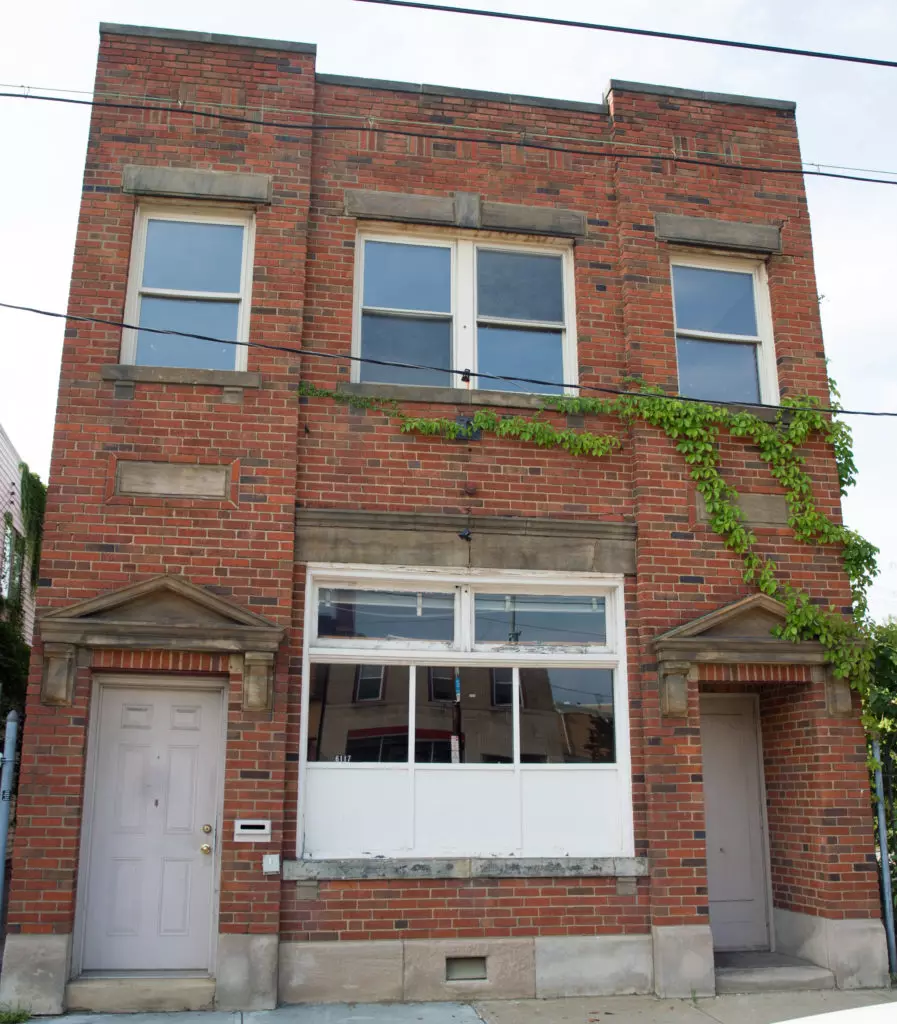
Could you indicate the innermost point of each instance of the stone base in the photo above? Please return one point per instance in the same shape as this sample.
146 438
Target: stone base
683 961
35 970
340 972
247 972
594 965
140 995
854 950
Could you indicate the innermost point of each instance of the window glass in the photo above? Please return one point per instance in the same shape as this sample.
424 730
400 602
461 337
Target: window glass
442 684
471 730
193 257
514 352
12 560
567 716
406 340
386 615
502 687
519 286
369 682
399 276
342 727
718 301
531 619
193 316
721 371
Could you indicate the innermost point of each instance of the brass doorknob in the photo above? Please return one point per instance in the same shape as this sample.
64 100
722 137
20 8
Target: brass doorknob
205 848
207 829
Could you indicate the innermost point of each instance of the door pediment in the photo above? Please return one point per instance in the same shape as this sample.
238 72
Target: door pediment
741 632
166 612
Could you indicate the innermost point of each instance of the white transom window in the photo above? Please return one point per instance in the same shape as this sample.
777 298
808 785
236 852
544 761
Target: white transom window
464 714
462 302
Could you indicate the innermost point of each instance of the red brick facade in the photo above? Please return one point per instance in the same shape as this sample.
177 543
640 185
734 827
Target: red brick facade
313 454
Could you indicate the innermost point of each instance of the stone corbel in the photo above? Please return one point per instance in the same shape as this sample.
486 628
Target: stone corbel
258 681
674 678
58 681
838 698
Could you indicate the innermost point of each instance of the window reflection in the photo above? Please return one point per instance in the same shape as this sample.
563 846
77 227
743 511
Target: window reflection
358 713
386 615
567 716
472 730
531 619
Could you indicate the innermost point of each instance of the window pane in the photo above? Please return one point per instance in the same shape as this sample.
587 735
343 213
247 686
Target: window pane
215 319
386 615
520 286
441 684
528 619
567 716
342 728
471 730
406 340
193 257
506 352
722 371
369 682
398 276
714 300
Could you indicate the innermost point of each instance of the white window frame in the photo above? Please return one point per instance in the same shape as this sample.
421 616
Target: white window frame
464 653
764 340
150 211
463 316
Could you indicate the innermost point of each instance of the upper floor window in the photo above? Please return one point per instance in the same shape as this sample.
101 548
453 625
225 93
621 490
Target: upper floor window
12 562
724 342
190 272
454 304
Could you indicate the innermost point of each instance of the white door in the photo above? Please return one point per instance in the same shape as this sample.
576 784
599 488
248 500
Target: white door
736 840
151 864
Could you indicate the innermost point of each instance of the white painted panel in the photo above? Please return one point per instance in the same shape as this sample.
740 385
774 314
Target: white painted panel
573 812
148 887
357 811
461 811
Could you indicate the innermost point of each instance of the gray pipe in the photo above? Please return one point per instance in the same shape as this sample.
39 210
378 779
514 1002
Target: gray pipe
8 761
885 858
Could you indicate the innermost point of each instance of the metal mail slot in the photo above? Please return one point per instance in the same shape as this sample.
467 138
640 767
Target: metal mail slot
252 830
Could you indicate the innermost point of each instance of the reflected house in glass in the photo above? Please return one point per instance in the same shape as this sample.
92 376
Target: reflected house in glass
336 707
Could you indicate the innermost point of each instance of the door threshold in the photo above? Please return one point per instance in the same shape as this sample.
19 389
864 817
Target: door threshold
139 974
140 992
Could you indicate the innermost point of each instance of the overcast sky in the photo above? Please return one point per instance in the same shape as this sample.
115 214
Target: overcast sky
846 116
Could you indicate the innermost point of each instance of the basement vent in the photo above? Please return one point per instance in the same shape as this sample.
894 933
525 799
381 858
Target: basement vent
465 968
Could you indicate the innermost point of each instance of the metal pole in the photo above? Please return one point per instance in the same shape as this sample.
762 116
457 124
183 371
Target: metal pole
8 761
883 850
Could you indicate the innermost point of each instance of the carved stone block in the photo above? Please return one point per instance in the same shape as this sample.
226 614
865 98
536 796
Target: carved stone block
258 681
674 688
58 683
838 698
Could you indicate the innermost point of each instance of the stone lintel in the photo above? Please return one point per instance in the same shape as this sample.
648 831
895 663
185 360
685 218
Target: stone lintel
188 183
709 232
760 510
464 209
181 375
740 651
466 867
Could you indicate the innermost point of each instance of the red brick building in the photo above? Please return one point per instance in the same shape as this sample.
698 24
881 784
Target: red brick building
325 710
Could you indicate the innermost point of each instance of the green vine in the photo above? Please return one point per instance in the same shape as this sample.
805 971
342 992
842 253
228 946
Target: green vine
34 504
695 428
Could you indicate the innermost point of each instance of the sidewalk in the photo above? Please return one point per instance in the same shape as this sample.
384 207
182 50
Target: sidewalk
765 1008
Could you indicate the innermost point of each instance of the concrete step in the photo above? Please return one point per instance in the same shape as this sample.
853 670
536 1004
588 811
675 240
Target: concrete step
768 972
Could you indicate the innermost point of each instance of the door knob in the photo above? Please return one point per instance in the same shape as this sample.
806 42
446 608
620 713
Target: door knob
205 848
207 829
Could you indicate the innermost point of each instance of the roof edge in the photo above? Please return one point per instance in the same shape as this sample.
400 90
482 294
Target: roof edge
181 35
616 85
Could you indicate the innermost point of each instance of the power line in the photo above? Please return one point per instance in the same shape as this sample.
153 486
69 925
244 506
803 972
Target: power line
464 374
438 137
650 33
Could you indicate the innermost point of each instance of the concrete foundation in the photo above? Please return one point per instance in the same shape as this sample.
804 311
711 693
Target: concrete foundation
340 972
854 950
247 972
35 970
594 965
140 995
683 961
509 968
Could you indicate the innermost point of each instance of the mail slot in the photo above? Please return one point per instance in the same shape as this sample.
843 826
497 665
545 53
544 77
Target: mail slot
252 830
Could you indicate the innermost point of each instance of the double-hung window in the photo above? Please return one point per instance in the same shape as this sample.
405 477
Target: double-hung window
455 714
440 305
12 562
190 273
724 342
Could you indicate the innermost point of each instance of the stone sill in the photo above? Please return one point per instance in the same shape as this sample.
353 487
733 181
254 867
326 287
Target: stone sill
181 375
465 867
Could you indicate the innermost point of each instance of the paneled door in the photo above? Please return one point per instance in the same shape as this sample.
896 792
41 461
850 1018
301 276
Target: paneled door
736 839
151 863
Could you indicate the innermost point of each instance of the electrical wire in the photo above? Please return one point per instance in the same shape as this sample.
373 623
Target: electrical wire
465 374
615 154
650 33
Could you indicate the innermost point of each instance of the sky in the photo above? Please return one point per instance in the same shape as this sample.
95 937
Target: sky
845 113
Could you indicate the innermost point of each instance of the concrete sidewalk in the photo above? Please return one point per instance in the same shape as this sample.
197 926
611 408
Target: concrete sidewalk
761 1008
